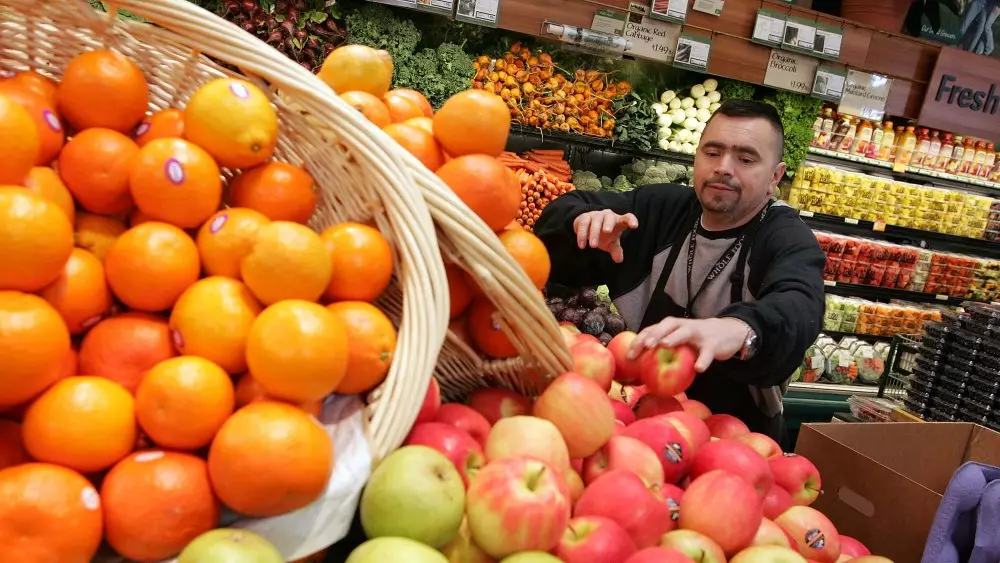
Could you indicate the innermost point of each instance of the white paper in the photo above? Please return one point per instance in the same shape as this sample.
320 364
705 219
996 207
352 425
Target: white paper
799 35
768 29
828 43
829 84
713 7
478 11
692 52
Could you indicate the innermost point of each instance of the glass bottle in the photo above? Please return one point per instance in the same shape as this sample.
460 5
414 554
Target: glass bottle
947 147
968 156
848 141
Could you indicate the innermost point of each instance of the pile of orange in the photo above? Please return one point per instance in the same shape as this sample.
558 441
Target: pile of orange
460 143
166 334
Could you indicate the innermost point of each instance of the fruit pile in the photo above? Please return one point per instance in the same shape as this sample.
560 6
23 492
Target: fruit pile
610 464
544 175
163 354
589 311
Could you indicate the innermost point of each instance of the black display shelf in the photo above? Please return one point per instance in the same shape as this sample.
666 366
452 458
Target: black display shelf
838 335
885 294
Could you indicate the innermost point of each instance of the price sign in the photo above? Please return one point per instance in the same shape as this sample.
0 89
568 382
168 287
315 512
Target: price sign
790 71
651 39
800 34
865 95
669 10
481 12
829 83
769 27
609 21
692 52
713 7
828 41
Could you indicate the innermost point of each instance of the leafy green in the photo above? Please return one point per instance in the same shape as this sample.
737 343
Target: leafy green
736 90
377 26
797 112
635 122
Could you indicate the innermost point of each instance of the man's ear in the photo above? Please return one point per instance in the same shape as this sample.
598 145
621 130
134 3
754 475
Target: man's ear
779 173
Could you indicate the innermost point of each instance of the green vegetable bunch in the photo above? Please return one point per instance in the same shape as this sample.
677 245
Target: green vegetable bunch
642 172
635 121
797 112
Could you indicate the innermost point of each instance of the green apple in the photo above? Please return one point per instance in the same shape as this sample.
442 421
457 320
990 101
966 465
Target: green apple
417 493
381 550
531 557
462 549
226 545
767 554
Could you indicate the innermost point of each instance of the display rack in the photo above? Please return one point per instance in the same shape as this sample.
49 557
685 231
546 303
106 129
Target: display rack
885 294
837 335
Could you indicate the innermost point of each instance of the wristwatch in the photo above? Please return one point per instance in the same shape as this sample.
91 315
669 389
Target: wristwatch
750 344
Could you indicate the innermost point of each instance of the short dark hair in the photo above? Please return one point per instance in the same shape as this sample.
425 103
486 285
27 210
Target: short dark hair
759 110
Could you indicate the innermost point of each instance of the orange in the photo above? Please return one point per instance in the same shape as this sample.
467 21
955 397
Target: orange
357 67
177 182
182 402
46 182
48 513
123 348
212 319
287 261
298 351
417 142
137 217
530 253
362 262
402 108
270 458
162 124
473 122
280 191
415 97
226 238
95 165
155 503
151 265
425 123
51 134
370 106
483 323
86 423
97 233
459 292
485 185
103 89
11 445
35 240
32 81
80 293
249 391
67 368
233 120
371 341
20 143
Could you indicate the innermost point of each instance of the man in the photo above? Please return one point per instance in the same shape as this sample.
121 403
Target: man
720 267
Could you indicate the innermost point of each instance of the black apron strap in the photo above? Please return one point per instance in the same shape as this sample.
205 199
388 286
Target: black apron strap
738 277
658 300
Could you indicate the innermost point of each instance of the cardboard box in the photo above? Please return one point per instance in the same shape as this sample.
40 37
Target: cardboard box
882 482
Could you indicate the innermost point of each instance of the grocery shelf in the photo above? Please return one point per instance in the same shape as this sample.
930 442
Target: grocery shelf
876 293
521 136
845 390
837 335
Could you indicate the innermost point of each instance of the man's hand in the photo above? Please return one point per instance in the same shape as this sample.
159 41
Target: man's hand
714 339
603 229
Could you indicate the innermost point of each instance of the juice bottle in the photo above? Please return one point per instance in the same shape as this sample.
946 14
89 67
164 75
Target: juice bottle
991 160
843 126
947 147
923 147
848 141
863 139
878 133
932 153
956 156
817 128
827 133
888 147
968 156
906 146
978 160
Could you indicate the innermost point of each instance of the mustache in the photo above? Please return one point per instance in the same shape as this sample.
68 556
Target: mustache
729 182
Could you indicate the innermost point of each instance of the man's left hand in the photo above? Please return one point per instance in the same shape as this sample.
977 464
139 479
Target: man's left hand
714 339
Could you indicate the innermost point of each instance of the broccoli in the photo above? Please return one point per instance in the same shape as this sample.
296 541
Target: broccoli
621 184
606 183
586 180
640 166
438 74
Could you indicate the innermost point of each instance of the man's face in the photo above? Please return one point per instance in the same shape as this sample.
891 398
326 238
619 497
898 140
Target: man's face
737 166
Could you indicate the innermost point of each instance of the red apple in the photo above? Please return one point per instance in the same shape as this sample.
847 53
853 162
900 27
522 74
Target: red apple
653 405
815 535
623 497
670 447
724 507
593 361
698 547
762 443
681 396
696 408
622 411
658 555
464 418
628 394
852 547
777 501
798 476
463 549
871 559
626 370
577 465
726 426
594 539
619 427
569 327
672 494
768 554
580 410
586 338
623 452
432 402
495 404
574 484
457 446
667 371
770 533
517 504
527 436
737 458
691 427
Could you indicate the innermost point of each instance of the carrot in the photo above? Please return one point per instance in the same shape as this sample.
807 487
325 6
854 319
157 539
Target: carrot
558 152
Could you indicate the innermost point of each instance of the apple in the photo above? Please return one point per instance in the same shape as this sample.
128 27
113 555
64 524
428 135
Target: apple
697 546
582 337
577 464
672 494
815 535
667 371
626 370
737 458
574 484
462 549
464 418
658 555
386 549
594 539
531 557
569 327
527 436
696 408
871 559
798 476
623 413
724 507
653 405
726 426
777 501
517 504
761 443
628 394
415 493
681 396
580 410
624 452
593 361
623 497
619 427
767 554
228 544
670 447
495 404
432 402
852 547
770 533
456 445
691 427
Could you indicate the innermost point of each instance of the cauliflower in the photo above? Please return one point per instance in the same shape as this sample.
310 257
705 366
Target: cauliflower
714 96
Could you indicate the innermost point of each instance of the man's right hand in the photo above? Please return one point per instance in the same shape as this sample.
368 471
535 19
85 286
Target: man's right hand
603 229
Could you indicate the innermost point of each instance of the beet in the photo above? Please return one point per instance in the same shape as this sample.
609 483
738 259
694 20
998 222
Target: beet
588 297
570 315
593 324
557 309
573 301
605 338
614 324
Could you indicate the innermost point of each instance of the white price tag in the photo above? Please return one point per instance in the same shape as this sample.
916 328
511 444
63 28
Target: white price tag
940 297
850 221
805 213
829 283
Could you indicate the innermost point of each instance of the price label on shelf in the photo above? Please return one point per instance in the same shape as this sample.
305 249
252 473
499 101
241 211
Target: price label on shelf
829 283
850 221
879 226
865 94
805 213
692 52
940 297
769 27
789 71
481 12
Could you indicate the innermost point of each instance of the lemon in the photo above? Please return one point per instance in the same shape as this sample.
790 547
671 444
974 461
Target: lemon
234 121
